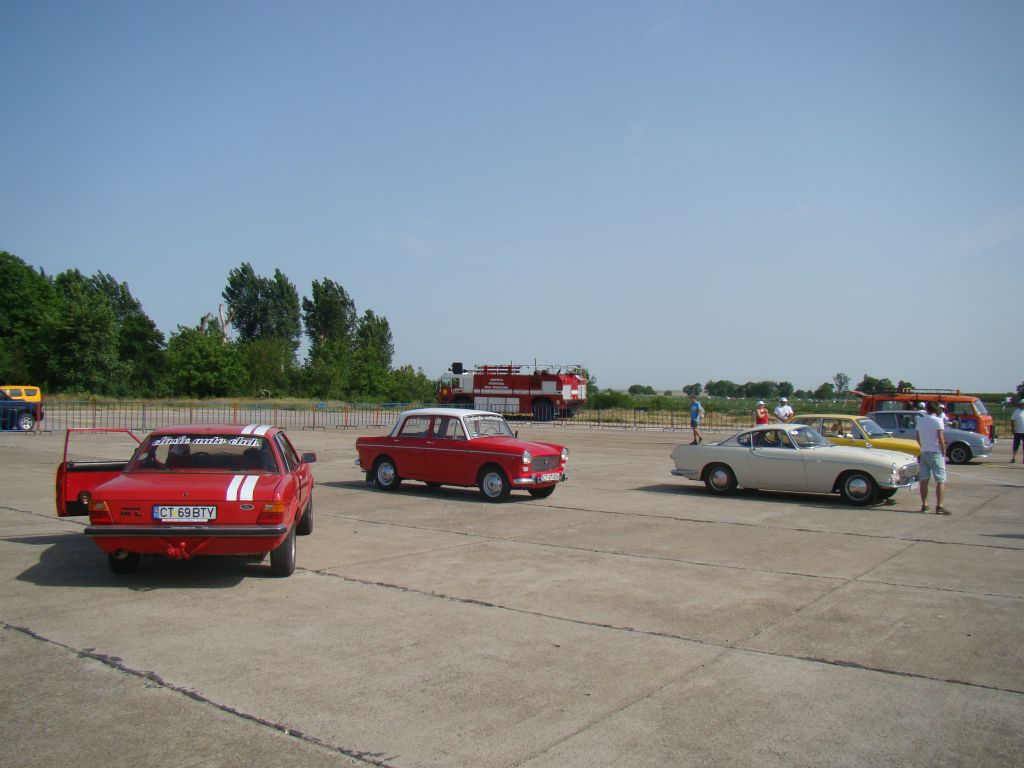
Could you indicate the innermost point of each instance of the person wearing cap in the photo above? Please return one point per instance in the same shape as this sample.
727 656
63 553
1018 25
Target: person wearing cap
931 436
1017 423
782 411
761 415
940 411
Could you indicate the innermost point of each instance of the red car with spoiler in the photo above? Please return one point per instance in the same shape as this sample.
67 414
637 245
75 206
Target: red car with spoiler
198 489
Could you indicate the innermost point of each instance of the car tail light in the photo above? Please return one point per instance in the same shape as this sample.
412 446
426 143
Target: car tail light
99 512
273 513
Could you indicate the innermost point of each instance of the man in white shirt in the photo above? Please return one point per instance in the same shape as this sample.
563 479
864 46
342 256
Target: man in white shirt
931 436
1017 422
782 411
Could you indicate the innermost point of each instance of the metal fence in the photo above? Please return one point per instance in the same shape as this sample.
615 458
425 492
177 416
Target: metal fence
144 416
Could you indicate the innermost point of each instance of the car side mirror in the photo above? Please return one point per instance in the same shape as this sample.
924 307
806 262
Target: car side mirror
309 458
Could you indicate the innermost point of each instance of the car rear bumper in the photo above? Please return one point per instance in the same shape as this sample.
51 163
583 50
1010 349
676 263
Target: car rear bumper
188 531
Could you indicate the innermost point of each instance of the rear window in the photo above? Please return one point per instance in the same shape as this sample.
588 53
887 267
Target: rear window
204 453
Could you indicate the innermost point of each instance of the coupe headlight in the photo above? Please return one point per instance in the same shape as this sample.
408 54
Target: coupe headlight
565 455
527 458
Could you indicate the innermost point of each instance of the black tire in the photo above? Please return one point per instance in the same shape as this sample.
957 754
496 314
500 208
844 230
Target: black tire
858 488
720 479
25 421
886 493
305 525
385 474
493 484
124 563
543 410
282 557
542 493
958 453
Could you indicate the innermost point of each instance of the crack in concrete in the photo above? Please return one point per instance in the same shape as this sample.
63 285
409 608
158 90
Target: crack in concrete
116 663
735 646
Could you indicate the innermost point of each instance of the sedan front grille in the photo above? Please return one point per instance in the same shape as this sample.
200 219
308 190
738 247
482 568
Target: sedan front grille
544 463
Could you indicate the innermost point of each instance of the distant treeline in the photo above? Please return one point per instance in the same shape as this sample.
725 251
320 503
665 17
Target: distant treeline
71 333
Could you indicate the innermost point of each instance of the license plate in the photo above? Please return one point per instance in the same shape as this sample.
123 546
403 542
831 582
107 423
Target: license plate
550 476
184 514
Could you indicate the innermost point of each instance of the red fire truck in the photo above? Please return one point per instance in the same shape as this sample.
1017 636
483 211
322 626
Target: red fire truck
543 391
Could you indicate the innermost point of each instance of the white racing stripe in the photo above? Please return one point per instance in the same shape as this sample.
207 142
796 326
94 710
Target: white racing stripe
232 494
256 429
248 487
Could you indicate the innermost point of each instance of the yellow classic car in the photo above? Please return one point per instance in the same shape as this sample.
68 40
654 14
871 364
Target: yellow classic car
859 431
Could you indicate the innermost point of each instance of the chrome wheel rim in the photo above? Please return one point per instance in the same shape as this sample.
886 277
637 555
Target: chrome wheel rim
719 478
493 484
858 487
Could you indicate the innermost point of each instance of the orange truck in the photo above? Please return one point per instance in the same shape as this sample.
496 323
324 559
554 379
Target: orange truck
964 411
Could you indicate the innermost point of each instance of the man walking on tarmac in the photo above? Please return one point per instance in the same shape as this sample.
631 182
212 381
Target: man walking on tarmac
931 436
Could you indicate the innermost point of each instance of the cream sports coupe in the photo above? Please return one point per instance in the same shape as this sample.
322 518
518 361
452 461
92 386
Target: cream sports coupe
794 457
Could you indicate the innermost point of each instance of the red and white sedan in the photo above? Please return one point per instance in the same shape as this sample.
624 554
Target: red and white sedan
453 446
199 489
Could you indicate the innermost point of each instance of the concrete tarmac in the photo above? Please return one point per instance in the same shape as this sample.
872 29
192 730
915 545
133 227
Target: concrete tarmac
630 619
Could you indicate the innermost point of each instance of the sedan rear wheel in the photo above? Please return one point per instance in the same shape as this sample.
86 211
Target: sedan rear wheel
122 563
385 474
282 558
859 489
26 421
720 479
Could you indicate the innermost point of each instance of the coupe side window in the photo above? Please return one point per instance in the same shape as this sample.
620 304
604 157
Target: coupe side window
415 426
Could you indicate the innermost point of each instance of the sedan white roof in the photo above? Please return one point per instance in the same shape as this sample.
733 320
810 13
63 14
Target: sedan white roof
460 412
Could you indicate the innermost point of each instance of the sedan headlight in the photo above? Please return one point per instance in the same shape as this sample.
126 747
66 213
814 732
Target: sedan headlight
565 455
527 458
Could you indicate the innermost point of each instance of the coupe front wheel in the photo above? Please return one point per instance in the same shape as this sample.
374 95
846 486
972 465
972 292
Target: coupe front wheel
720 479
859 489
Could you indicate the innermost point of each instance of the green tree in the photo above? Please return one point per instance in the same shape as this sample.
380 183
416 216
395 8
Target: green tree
825 392
330 321
761 389
409 386
261 308
693 389
842 382
784 389
641 389
27 309
372 356
83 339
140 344
870 385
200 364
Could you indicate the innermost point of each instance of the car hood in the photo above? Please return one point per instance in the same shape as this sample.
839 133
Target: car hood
515 445
853 454
194 486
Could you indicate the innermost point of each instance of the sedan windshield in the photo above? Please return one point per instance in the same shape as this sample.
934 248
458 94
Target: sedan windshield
204 453
871 428
488 426
805 437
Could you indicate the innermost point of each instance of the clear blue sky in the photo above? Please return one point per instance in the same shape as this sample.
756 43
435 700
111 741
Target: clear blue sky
665 192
